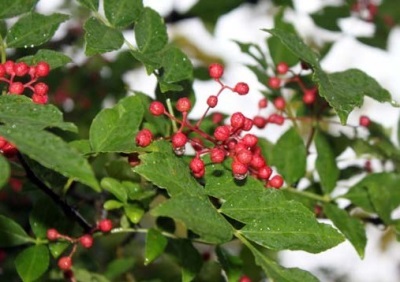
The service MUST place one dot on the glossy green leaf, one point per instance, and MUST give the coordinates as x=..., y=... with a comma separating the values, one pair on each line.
x=134, y=212
x=155, y=245
x=296, y=45
x=283, y=3
x=115, y=188
x=4, y=171
x=85, y=275
x=199, y=215
x=187, y=256
x=150, y=31
x=100, y=38
x=345, y=90
x=176, y=66
x=53, y=58
x=12, y=234
x=51, y=151
x=232, y=265
x=278, y=224
x=114, y=130
x=18, y=110
x=122, y=13
x=57, y=248
x=326, y=163
x=90, y=4
x=12, y=8
x=112, y=205
x=352, y=228
x=329, y=16
x=118, y=267
x=32, y=263
x=358, y=195
x=289, y=156
x=33, y=30
x=279, y=273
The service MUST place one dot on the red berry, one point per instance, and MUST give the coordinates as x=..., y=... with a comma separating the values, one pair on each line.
x=257, y=161
x=32, y=72
x=222, y=132
x=217, y=118
x=52, y=234
x=259, y=122
x=212, y=101
x=276, y=181
x=365, y=121
x=217, y=155
x=264, y=172
x=277, y=119
x=16, y=184
x=105, y=225
x=237, y=120
x=42, y=69
x=156, y=108
x=250, y=140
x=133, y=159
x=196, y=143
x=309, y=96
x=144, y=138
x=9, y=150
x=280, y=103
x=241, y=88
x=3, y=142
x=199, y=174
x=244, y=156
x=263, y=103
x=248, y=124
x=239, y=168
x=215, y=71
x=282, y=68
x=179, y=140
x=9, y=67
x=16, y=88
x=183, y=105
x=2, y=70
x=196, y=165
x=41, y=88
x=65, y=263
x=274, y=82
x=39, y=99
x=244, y=278
x=86, y=241
x=21, y=69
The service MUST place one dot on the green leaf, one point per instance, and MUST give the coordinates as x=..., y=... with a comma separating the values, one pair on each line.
x=33, y=30
x=112, y=205
x=115, y=188
x=50, y=151
x=278, y=224
x=352, y=228
x=155, y=245
x=118, y=267
x=328, y=17
x=58, y=248
x=84, y=275
x=289, y=147
x=122, y=13
x=345, y=90
x=134, y=212
x=187, y=256
x=32, y=262
x=12, y=8
x=19, y=110
x=326, y=163
x=150, y=31
x=358, y=195
x=4, y=171
x=100, y=38
x=296, y=45
x=114, y=130
x=283, y=3
x=90, y=4
x=198, y=215
x=231, y=264
x=53, y=58
x=12, y=234
x=176, y=66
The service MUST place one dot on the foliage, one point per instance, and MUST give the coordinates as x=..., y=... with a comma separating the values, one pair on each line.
x=114, y=189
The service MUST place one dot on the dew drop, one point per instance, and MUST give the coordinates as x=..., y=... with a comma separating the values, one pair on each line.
x=179, y=151
x=240, y=176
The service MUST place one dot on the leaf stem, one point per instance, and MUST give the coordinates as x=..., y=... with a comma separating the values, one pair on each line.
x=325, y=199
x=171, y=112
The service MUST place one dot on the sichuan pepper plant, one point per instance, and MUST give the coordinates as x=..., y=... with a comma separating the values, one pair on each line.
x=140, y=190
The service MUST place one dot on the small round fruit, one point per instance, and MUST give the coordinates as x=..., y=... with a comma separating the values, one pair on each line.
x=241, y=88
x=365, y=121
x=212, y=101
x=144, y=138
x=215, y=70
x=86, y=241
x=52, y=234
x=105, y=225
x=156, y=108
x=222, y=132
x=282, y=68
x=42, y=69
x=274, y=82
x=179, y=140
x=183, y=105
x=280, y=103
x=65, y=263
x=276, y=182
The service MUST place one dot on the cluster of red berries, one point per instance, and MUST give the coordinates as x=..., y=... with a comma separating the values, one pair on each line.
x=11, y=70
x=86, y=241
x=229, y=140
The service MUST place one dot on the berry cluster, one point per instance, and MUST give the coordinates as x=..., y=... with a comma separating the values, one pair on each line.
x=10, y=71
x=227, y=141
x=86, y=241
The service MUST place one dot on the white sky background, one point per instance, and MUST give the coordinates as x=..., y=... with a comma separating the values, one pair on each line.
x=244, y=24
